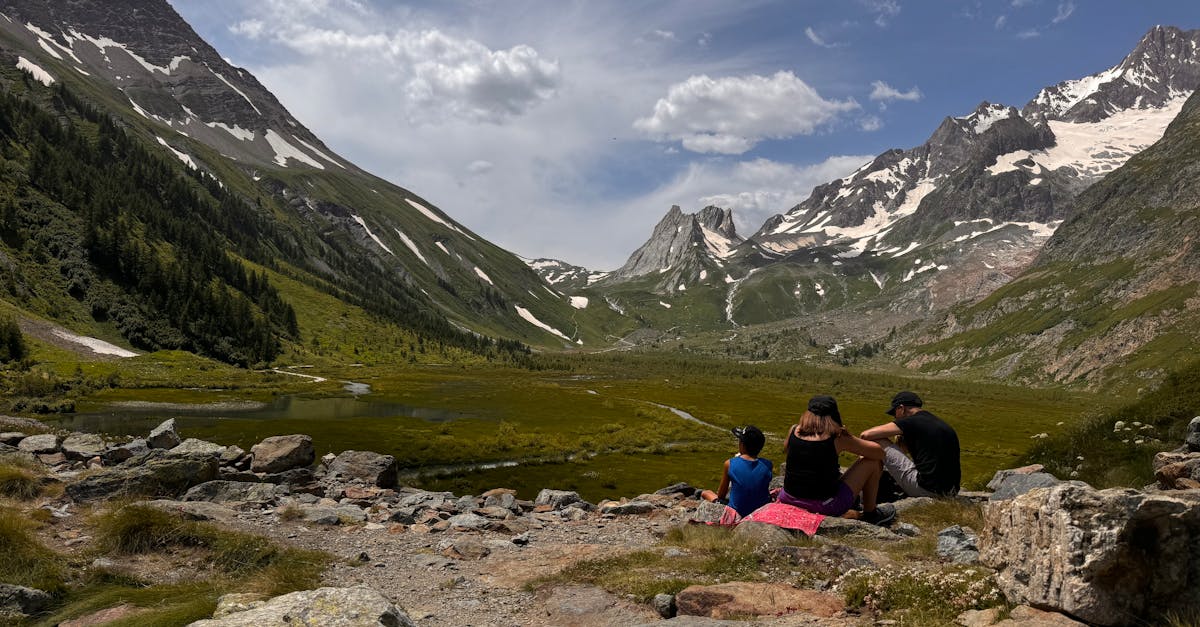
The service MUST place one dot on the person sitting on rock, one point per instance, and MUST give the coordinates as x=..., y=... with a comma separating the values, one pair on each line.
x=813, y=479
x=934, y=469
x=746, y=480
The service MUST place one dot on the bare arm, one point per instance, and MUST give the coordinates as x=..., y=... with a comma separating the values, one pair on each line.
x=882, y=432
x=788, y=438
x=865, y=449
x=723, y=491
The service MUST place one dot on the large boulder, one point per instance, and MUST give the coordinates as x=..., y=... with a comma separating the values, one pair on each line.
x=19, y=601
x=1177, y=470
x=83, y=445
x=1014, y=485
x=164, y=435
x=558, y=499
x=43, y=444
x=325, y=607
x=742, y=599
x=364, y=467
x=129, y=450
x=196, y=445
x=1108, y=557
x=236, y=491
x=282, y=452
x=154, y=473
x=1192, y=439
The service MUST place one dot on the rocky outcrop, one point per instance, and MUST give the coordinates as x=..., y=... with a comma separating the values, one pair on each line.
x=83, y=446
x=282, y=452
x=20, y=602
x=43, y=444
x=327, y=607
x=155, y=473
x=164, y=435
x=741, y=599
x=1177, y=470
x=236, y=491
x=363, y=467
x=1108, y=557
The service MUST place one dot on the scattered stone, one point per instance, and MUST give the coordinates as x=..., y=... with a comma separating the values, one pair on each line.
x=21, y=600
x=907, y=530
x=423, y=499
x=232, y=455
x=219, y=491
x=905, y=504
x=199, y=447
x=623, y=509
x=574, y=514
x=1192, y=439
x=1016, y=484
x=1107, y=557
x=1176, y=471
x=155, y=473
x=521, y=540
x=498, y=492
x=335, y=607
x=164, y=436
x=587, y=605
x=763, y=535
x=43, y=444
x=958, y=544
x=282, y=452
x=505, y=500
x=664, y=604
x=836, y=526
x=129, y=450
x=364, y=467
x=12, y=438
x=466, y=548
x=741, y=599
x=468, y=521
x=52, y=459
x=495, y=513
x=1001, y=475
x=835, y=558
x=293, y=477
x=681, y=489
x=83, y=445
x=195, y=510
x=557, y=499
x=708, y=512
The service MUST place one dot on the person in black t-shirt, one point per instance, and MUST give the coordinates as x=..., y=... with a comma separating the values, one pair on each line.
x=934, y=468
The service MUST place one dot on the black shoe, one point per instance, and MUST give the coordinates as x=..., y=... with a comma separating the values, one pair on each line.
x=883, y=516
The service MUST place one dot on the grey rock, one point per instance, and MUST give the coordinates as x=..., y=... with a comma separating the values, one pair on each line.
x=232, y=474
x=907, y=530
x=293, y=477
x=468, y=521
x=200, y=447
x=129, y=450
x=521, y=539
x=1016, y=485
x=12, y=438
x=708, y=511
x=836, y=526
x=282, y=452
x=21, y=600
x=363, y=467
x=557, y=499
x=154, y=473
x=664, y=604
x=83, y=445
x=682, y=489
x=624, y=509
x=164, y=435
x=423, y=499
x=195, y=510
x=465, y=548
x=466, y=503
x=404, y=515
x=833, y=558
x=43, y=444
x=905, y=504
x=231, y=455
x=328, y=607
x=958, y=544
x=219, y=491
x=1001, y=475
x=573, y=514
x=763, y=535
x=1107, y=557
x=325, y=515
x=507, y=501
x=1192, y=439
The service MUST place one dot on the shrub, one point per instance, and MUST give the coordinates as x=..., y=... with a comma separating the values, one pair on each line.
x=18, y=483
x=23, y=560
x=12, y=343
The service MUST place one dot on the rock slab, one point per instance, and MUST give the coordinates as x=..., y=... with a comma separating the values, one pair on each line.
x=741, y=599
x=323, y=607
x=365, y=467
x=282, y=452
x=1107, y=557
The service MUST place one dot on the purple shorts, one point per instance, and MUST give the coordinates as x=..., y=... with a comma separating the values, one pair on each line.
x=835, y=505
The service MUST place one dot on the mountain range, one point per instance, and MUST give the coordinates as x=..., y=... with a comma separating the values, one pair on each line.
x=1046, y=242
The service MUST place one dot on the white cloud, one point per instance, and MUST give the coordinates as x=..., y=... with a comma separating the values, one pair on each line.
x=1065, y=9
x=480, y=166
x=1001, y=21
x=755, y=189
x=870, y=123
x=439, y=76
x=1028, y=33
x=882, y=91
x=1020, y=3
x=884, y=10
x=704, y=39
x=817, y=39
x=665, y=35
x=730, y=115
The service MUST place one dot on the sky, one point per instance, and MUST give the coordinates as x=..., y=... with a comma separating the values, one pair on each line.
x=567, y=129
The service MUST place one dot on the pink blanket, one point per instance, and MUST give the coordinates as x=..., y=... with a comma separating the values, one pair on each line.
x=786, y=516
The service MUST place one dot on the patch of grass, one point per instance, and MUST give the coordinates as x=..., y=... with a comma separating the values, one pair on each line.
x=931, y=519
x=178, y=604
x=23, y=560
x=18, y=483
x=919, y=597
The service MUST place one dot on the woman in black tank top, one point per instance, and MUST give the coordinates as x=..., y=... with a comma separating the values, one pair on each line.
x=813, y=479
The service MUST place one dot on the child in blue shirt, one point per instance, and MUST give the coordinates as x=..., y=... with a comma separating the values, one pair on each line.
x=746, y=481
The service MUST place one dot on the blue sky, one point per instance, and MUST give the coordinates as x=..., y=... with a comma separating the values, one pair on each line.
x=567, y=129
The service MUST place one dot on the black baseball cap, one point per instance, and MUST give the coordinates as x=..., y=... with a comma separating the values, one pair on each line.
x=904, y=398
x=824, y=405
x=752, y=437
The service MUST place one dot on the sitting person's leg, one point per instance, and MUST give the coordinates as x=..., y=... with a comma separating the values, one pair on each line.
x=863, y=477
x=902, y=470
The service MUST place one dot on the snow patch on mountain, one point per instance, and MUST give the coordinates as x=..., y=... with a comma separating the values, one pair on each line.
x=665, y=305
x=95, y=345
x=235, y=130
x=239, y=92
x=284, y=151
x=443, y=248
x=319, y=153
x=483, y=275
x=428, y=213
x=1095, y=148
x=411, y=245
x=718, y=245
x=182, y=156
x=531, y=319
x=981, y=120
x=370, y=234
x=579, y=302
x=40, y=75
